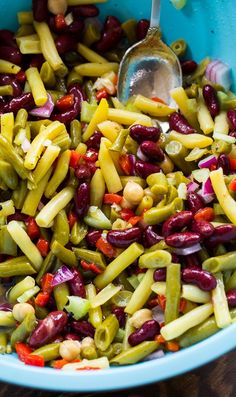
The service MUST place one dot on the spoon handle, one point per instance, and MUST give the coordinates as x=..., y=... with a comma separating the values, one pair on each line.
x=155, y=14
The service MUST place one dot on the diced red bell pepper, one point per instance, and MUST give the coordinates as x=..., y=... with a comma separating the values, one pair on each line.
x=65, y=102
x=42, y=299
x=157, y=99
x=205, y=214
x=22, y=350
x=125, y=164
x=102, y=93
x=233, y=164
x=46, y=282
x=105, y=247
x=91, y=266
x=126, y=214
x=58, y=364
x=43, y=246
x=135, y=219
x=74, y=158
x=90, y=155
x=72, y=218
x=87, y=368
x=162, y=301
x=32, y=228
x=34, y=359
x=232, y=185
x=60, y=22
x=111, y=198
x=21, y=76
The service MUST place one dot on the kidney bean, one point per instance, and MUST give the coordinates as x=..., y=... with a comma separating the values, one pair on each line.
x=203, y=279
x=122, y=238
x=83, y=172
x=159, y=275
x=75, y=28
x=82, y=199
x=111, y=35
x=83, y=327
x=144, y=169
x=142, y=29
x=11, y=54
x=85, y=10
x=194, y=202
x=18, y=216
x=182, y=239
x=92, y=237
x=92, y=166
x=233, y=134
x=179, y=123
x=69, y=115
x=8, y=79
x=65, y=42
x=176, y=222
x=152, y=151
x=188, y=66
x=150, y=236
x=174, y=258
x=94, y=141
x=24, y=100
x=120, y=315
x=192, y=260
x=72, y=336
x=40, y=10
x=76, y=284
x=48, y=328
x=7, y=38
x=37, y=61
x=204, y=228
x=147, y=332
x=224, y=162
x=141, y=133
x=222, y=234
x=231, y=297
x=231, y=115
x=211, y=99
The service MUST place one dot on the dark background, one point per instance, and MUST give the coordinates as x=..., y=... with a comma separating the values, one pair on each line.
x=217, y=379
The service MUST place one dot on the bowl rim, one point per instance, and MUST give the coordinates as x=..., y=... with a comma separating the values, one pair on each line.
x=116, y=378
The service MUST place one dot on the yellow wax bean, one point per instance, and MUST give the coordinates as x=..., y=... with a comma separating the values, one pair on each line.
x=127, y=118
x=37, y=87
x=225, y=200
x=55, y=205
x=8, y=67
x=89, y=54
x=104, y=295
x=220, y=304
x=97, y=189
x=47, y=159
x=22, y=239
x=221, y=123
x=34, y=196
x=25, y=17
x=151, y=107
x=95, y=315
x=141, y=294
x=204, y=118
x=59, y=173
x=99, y=115
x=95, y=69
x=7, y=125
x=109, y=129
x=191, y=141
x=180, y=97
x=108, y=169
x=30, y=47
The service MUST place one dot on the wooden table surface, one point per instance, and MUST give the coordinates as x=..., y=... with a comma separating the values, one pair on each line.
x=217, y=379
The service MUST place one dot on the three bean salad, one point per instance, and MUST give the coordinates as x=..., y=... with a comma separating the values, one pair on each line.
x=117, y=220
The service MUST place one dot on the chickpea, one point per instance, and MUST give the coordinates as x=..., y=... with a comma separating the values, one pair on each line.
x=126, y=204
x=57, y=6
x=70, y=349
x=133, y=193
x=20, y=310
x=87, y=342
x=140, y=317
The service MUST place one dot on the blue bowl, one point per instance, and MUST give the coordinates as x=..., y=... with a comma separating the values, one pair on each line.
x=209, y=28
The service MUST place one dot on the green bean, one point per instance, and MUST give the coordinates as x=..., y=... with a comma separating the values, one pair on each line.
x=122, y=298
x=27, y=295
x=199, y=332
x=46, y=266
x=106, y=332
x=18, y=196
x=220, y=304
x=141, y=294
x=135, y=354
x=89, y=352
x=62, y=140
x=133, y=280
x=117, y=266
x=87, y=111
x=23, y=330
x=40, y=312
x=61, y=229
x=7, y=208
x=155, y=259
x=16, y=267
x=177, y=153
x=91, y=34
x=7, y=319
x=25, y=30
x=231, y=283
x=3, y=342
x=220, y=263
x=61, y=293
x=6, y=90
x=158, y=215
x=97, y=218
x=75, y=133
x=97, y=189
x=173, y=288
x=7, y=244
x=90, y=92
x=179, y=47
x=129, y=28
x=35, y=126
x=122, y=279
x=8, y=174
x=95, y=314
x=119, y=143
x=59, y=173
x=48, y=352
x=64, y=254
x=73, y=77
x=47, y=75
x=78, y=232
x=20, y=121
x=158, y=183
x=8, y=67
x=19, y=288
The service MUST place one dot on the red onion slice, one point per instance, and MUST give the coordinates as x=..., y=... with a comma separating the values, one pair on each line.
x=62, y=275
x=188, y=250
x=192, y=186
x=153, y=356
x=207, y=162
x=44, y=111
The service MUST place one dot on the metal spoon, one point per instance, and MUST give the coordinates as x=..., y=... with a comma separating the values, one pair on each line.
x=149, y=67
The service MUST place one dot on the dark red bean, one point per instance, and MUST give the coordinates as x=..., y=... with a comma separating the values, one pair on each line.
x=176, y=222
x=69, y=115
x=174, y=258
x=92, y=237
x=231, y=297
x=142, y=133
x=83, y=327
x=25, y=101
x=72, y=336
x=159, y=275
x=75, y=28
x=120, y=315
x=211, y=99
x=224, y=162
x=48, y=328
x=37, y=61
x=11, y=54
x=188, y=66
x=203, y=279
x=233, y=134
x=152, y=151
x=147, y=332
x=92, y=166
x=18, y=216
x=76, y=284
x=83, y=172
x=179, y=123
x=194, y=202
x=204, y=228
x=7, y=37
x=40, y=10
x=231, y=115
x=144, y=169
x=86, y=11
x=122, y=238
x=222, y=234
x=111, y=35
x=142, y=29
x=9, y=79
x=94, y=141
x=82, y=199
x=182, y=239
x=192, y=260
x=65, y=42
x=150, y=236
